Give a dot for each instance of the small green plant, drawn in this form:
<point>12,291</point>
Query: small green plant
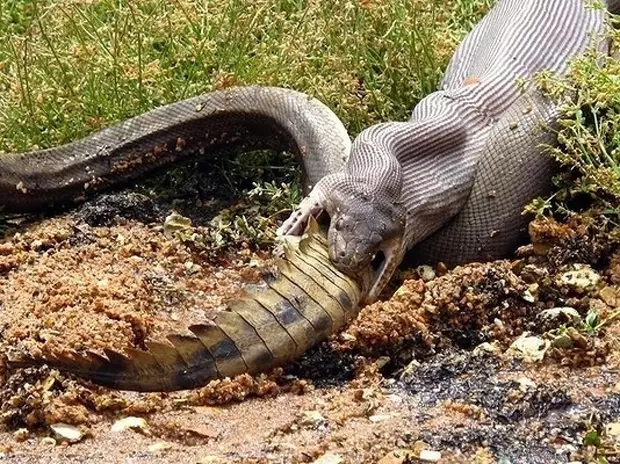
<point>588,140</point>
<point>599,446</point>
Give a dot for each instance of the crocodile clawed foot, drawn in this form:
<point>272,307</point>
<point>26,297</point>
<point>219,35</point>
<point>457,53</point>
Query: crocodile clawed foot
<point>297,221</point>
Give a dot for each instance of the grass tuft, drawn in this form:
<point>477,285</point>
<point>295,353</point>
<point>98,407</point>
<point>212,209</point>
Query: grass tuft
<point>588,137</point>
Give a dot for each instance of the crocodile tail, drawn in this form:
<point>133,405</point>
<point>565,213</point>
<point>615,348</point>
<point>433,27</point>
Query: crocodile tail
<point>302,301</point>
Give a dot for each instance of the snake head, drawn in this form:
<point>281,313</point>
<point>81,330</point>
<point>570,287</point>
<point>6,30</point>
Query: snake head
<point>363,232</point>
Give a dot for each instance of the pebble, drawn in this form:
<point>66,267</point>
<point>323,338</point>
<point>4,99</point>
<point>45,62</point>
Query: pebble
<point>48,441</point>
<point>529,296</point>
<point>612,430</point>
<point>311,419</point>
<point>529,348</point>
<point>66,432</point>
<point>134,423</point>
<point>485,347</point>
<point>525,383</point>
<point>581,277</point>
<point>565,312</point>
<point>430,455</point>
<point>160,446</point>
<point>426,272</point>
<point>379,418</point>
<point>202,431</point>
<point>610,296</point>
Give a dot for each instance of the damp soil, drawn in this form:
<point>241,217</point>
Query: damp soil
<point>428,368</point>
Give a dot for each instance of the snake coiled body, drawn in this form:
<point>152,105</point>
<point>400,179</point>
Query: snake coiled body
<point>449,185</point>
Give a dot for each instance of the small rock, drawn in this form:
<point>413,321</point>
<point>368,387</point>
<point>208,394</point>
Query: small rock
<point>610,296</point>
<point>329,458</point>
<point>616,388</point>
<point>175,223</point>
<point>528,296</point>
<point>485,347</point>
<point>379,417</point>
<point>525,383</point>
<point>347,337</point>
<point>192,268</point>
<point>311,419</point>
<point>529,348</point>
<point>48,441</point>
<point>579,340</point>
<point>202,431</point>
<point>21,435</point>
<point>562,313</point>
<point>67,433</point>
<point>394,398</point>
<point>36,244</point>
<point>430,455</point>
<point>410,369</point>
<point>418,447</point>
<point>208,410</point>
<point>581,278</point>
<point>159,447</point>
<point>442,269</point>
<point>426,272</point>
<point>612,430</point>
<point>563,341</point>
<point>135,423</point>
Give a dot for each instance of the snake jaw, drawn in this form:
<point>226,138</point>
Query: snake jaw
<point>393,252</point>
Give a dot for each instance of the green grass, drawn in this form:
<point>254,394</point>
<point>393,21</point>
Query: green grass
<point>70,67</point>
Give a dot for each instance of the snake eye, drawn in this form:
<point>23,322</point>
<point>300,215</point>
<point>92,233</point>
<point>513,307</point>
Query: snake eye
<point>339,224</point>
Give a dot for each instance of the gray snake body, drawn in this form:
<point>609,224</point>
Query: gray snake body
<point>449,184</point>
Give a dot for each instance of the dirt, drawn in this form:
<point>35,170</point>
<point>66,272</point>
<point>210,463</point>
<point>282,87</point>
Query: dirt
<point>431,367</point>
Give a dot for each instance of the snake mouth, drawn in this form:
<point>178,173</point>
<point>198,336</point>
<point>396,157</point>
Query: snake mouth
<point>378,265</point>
<point>383,265</point>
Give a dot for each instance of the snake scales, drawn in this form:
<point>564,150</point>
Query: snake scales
<point>449,184</point>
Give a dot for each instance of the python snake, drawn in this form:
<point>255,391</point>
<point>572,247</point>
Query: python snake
<point>449,185</point>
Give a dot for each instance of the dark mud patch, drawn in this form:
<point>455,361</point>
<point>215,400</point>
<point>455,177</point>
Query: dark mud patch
<point>324,367</point>
<point>529,415</point>
<point>113,208</point>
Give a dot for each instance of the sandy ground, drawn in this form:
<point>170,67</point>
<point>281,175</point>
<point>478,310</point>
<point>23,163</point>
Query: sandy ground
<point>429,370</point>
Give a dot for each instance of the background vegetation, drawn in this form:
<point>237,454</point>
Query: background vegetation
<point>68,68</point>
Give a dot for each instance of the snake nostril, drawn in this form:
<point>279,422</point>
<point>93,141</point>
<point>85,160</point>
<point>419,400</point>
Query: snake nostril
<point>342,254</point>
